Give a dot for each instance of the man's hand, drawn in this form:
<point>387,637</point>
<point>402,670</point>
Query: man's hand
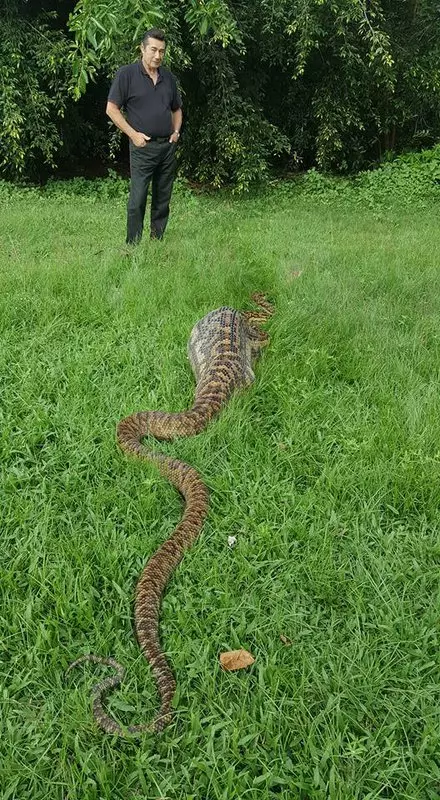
<point>175,136</point>
<point>139,139</point>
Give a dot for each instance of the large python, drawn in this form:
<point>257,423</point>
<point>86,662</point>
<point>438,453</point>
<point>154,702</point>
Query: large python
<point>221,349</point>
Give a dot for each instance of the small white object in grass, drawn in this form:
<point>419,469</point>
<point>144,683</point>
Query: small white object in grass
<point>232,541</point>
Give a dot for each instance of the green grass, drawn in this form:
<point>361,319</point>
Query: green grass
<point>327,470</point>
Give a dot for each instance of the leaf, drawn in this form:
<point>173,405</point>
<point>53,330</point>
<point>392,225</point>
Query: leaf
<point>91,36</point>
<point>285,640</point>
<point>261,779</point>
<point>236,659</point>
<point>98,24</point>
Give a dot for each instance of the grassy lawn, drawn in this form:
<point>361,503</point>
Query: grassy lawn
<point>327,471</point>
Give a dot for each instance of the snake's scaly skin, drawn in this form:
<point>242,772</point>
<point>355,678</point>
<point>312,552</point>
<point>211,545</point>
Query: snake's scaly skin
<point>221,349</point>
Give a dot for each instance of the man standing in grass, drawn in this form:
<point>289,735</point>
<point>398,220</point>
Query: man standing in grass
<point>148,93</point>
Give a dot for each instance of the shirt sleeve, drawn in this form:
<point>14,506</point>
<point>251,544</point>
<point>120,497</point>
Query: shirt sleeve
<point>119,89</point>
<point>176,101</point>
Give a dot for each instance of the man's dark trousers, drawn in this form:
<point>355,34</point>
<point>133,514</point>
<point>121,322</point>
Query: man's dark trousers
<point>156,163</point>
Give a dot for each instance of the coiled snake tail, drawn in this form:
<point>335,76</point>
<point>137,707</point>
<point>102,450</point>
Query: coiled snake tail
<point>152,582</point>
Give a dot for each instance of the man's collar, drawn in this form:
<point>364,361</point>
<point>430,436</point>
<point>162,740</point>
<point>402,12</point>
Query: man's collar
<point>144,71</point>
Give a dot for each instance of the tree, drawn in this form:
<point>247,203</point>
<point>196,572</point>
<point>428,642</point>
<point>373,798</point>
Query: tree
<point>332,83</point>
<point>34,73</point>
<point>336,82</point>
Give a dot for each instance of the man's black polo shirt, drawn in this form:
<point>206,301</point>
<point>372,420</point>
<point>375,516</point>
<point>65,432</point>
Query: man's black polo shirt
<point>148,107</point>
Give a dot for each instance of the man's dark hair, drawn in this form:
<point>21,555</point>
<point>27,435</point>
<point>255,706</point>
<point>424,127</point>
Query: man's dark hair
<point>153,33</point>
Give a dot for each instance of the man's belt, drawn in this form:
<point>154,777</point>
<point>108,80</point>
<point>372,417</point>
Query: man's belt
<point>159,138</point>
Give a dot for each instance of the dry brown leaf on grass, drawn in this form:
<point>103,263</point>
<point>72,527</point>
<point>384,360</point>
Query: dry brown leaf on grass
<point>285,640</point>
<point>236,659</point>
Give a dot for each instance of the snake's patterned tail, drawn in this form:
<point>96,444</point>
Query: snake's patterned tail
<point>152,583</point>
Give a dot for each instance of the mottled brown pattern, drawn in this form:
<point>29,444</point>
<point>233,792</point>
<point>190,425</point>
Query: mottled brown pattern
<point>221,349</point>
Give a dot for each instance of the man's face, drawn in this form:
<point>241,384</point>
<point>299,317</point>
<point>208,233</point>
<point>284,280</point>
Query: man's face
<point>152,53</point>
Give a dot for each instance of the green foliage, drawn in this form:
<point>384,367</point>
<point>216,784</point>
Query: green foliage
<point>229,139</point>
<point>200,34</point>
<point>333,84</point>
<point>336,85</point>
<point>404,181</point>
<point>351,77</point>
<point>108,34</point>
<point>33,76</point>
<point>411,180</point>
